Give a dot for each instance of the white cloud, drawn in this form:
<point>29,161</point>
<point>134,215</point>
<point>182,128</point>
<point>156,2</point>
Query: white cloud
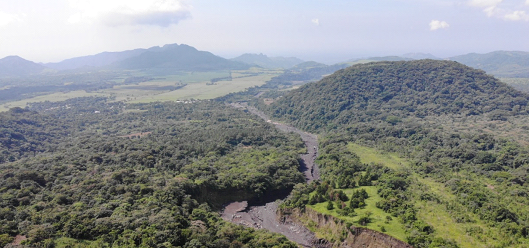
<point>484,3</point>
<point>502,9</point>
<point>517,16</point>
<point>316,21</point>
<point>6,18</point>
<point>436,24</point>
<point>491,11</point>
<point>130,12</point>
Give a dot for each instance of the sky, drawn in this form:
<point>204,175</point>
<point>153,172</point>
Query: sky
<point>326,31</point>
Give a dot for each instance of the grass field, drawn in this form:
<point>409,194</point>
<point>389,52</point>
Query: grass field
<point>370,155</point>
<point>55,97</point>
<point>198,86</point>
<point>203,90</point>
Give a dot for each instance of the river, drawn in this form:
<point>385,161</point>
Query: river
<point>264,216</point>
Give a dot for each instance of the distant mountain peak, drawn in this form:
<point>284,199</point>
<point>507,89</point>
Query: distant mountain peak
<point>17,66</point>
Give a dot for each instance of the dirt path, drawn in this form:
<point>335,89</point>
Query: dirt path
<point>265,216</point>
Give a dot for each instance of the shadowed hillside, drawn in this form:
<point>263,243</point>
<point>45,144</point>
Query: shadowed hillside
<point>16,66</point>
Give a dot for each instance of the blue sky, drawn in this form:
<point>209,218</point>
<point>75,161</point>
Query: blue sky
<point>326,31</point>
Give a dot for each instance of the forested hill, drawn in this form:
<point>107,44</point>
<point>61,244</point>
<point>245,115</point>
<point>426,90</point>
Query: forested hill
<point>390,91</point>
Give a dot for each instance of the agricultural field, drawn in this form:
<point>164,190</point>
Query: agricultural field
<point>55,97</point>
<point>207,89</point>
<point>181,86</point>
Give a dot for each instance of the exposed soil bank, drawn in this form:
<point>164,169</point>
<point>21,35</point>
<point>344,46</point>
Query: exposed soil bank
<point>355,237</point>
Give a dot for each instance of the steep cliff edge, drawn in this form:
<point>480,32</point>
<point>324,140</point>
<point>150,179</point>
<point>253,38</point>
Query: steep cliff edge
<point>337,232</point>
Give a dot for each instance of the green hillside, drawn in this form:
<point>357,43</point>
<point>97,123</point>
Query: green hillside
<point>394,90</point>
<point>443,144</point>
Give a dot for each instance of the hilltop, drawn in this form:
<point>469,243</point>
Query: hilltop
<point>389,90</point>
<point>179,58</point>
<point>17,66</point>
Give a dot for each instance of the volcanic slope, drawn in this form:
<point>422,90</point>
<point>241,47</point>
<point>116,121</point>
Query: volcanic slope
<point>460,176</point>
<point>394,90</point>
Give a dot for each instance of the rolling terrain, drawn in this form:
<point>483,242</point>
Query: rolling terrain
<point>131,151</point>
<point>453,167</point>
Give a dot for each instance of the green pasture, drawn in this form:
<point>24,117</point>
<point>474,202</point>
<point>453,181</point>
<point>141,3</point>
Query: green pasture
<point>475,233</point>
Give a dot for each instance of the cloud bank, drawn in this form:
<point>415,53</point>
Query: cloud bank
<point>436,24</point>
<point>113,13</point>
<point>510,11</point>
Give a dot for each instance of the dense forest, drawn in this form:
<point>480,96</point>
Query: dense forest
<point>394,90</point>
<point>138,175</point>
<point>417,110</point>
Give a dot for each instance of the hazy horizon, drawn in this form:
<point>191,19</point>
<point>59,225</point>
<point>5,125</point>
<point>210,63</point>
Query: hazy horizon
<point>323,31</point>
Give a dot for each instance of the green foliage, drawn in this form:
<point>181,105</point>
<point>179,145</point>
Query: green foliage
<point>141,178</point>
<point>5,239</point>
<point>330,205</point>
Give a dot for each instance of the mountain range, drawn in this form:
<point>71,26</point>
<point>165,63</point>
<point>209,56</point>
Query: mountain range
<point>174,57</point>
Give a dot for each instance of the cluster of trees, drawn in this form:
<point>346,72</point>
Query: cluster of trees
<point>88,179</point>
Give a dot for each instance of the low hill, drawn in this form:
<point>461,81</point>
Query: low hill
<point>268,62</point>
<point>178,58</point>
<point>16,66</point>
<point>308,65</point>
<point>393,90</point>
<point>498,63</point>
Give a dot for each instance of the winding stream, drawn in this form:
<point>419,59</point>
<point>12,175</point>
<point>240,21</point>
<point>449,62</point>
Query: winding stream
<point>265,215</point>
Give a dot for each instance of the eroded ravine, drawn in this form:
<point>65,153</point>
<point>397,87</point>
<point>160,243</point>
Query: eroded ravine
<point>265,215</point>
